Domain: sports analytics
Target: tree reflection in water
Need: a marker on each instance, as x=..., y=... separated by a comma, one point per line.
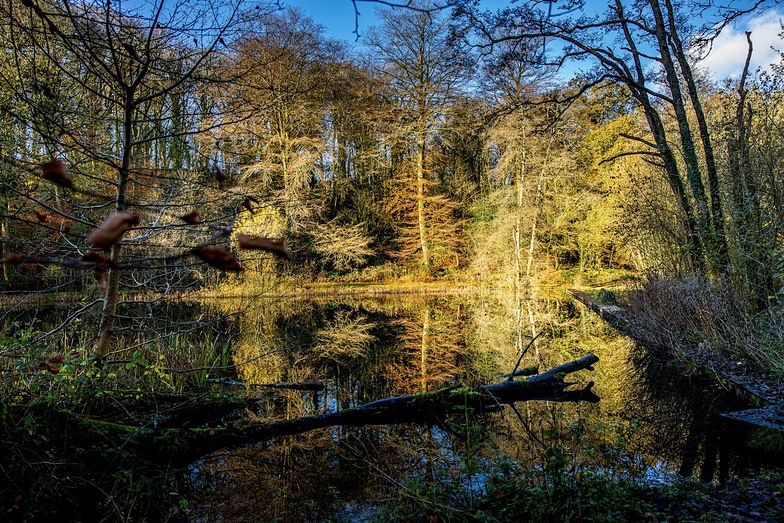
x=652, y=421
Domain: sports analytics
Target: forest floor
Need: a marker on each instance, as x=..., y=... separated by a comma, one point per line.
x=758, y=500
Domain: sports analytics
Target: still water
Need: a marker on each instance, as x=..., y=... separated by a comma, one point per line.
x=653, y=423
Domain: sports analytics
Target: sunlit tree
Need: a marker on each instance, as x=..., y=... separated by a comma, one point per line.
x=424, y=70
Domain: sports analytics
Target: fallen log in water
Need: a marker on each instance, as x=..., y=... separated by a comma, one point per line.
x=432, y=407
x=428, y=407
x=178, y=440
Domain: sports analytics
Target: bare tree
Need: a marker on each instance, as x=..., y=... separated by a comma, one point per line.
x=424, y=69
x=641, y=45
x=117, y=94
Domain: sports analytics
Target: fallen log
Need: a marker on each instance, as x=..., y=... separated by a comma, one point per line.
x=177, y=439
x=432, y=407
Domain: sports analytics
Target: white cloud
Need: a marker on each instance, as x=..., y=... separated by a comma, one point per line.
x=729, y=50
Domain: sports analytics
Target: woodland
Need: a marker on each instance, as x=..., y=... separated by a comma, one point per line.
x=155, y=155
x=449, y=147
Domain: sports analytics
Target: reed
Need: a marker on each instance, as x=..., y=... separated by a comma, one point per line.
x=711, y=317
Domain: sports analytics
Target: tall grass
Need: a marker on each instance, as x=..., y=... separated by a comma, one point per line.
x=710, y=318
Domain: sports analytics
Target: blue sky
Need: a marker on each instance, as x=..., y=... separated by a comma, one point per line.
x=338, y=15
x=729, y=50
x=726, y=59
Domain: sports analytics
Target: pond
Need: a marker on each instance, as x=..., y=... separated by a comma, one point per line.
x=654, y=422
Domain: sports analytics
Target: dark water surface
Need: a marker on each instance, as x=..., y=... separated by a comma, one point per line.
x=653, y=423
x=655, y=420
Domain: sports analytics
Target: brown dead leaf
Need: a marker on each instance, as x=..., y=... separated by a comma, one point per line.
x=192, y=218
x=112, y=229
x=276, y=247
x=56, y=172
x=218, y=258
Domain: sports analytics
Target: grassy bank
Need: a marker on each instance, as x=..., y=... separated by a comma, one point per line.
x=711, y=319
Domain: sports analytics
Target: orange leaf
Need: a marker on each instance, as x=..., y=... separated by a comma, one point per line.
x=56, y=172
x=13, y=258
x=112, y=229
x=192, y=218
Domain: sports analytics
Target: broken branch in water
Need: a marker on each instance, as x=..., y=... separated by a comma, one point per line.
x=199, y=426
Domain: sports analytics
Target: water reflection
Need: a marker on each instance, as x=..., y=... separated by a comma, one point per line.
x=652, y=420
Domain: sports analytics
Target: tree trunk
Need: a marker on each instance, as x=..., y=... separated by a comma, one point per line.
x=518, y=232
x=425, y=346
x=755, y=249
x=717, y=212
x=420, y=187
x=532, y=242
x=636, y=81
x=112, y=294
x=690, y=158
x=5, y=235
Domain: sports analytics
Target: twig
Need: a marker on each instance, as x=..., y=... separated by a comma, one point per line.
x=520, y=359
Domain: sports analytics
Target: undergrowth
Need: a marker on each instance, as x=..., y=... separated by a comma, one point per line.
x=712, y=317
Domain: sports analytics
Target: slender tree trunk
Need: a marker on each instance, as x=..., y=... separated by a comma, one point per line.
x=337, y=167
x=755, y=248
x=537, y=205
x=519, y=345
x=112, y=294
x=534, y=332
x=425, y=346
x=636, y=83
x=690, y=158
x=717, y=212
x=4, y=233
x=696, y=250
x=518, y=231
x=420, y=187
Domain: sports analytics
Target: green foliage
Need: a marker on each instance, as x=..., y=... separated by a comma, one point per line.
x=589, y=497
x=606, y=297
x=768, y=441
x=464, y=392
x=502, y=489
